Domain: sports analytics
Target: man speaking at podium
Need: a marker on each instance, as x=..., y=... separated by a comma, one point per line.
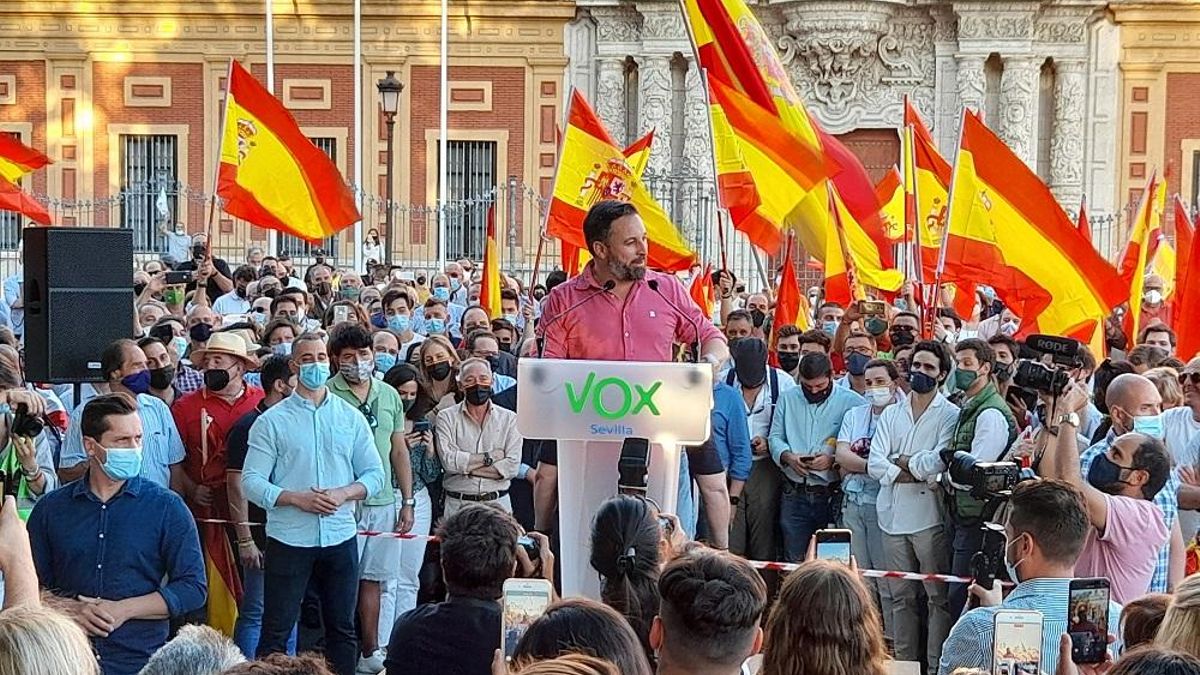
x=616, y=309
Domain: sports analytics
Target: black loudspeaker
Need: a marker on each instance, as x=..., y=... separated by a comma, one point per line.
x=78, y=299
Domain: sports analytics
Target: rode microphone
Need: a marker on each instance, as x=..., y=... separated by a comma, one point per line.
x=694, y=347
x=608, y=286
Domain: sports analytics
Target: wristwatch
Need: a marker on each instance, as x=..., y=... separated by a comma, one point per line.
x=487, y=460
x=411, y=501
x=734, y=500
x=1068, y=418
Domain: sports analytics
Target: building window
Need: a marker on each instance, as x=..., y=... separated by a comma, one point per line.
x=471, y=174
x=679, y=70
x=1045, y=119
x=633, y=95
x=297, y=247
x=993, y=73
x=149, y=188
x=10, y=221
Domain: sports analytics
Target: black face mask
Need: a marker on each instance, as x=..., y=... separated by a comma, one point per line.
x=478, y=394
x=323, y=289
x=271, y=293
x=241, y=291
x=817, y=397
x=200, y=332
x=216, y=380
x=901, y=338
x=789, y=361
x=138, y=288
x=751, y=372
x=440, y=371
x=758, y=318
x=161, y=378
x=1002, y=371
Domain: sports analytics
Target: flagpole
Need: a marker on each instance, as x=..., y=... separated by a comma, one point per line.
x=272, y=235
x=212, y=207
x=358, y=139
x=443, y=130
x=941, y=265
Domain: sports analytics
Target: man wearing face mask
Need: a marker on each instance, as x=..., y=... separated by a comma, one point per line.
x=1119, y=487
x=802, y=441
x=829, y=317
x=1134, y=405
x=320, y=286
x=201, y=322
x=760, y=317
x=393, y=509
x=756, y=513
x=478, y=443
x=125, y=367
x=986, y=429
x=787, y=350
x=120, y=551
x=905, y=458
x=1046, y=529
x=397, y=312
x=482, y=344
x=1006, y=322
x=905, y=330
x=450, y=314
x=857, y=351
x=162, y=370
x=311, y=456
x=1155, y=308
x=236, y=301
x=739, y=325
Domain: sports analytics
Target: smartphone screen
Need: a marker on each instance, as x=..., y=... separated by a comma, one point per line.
x=833, y=545
x=1087, y=619
x=1017, y=643
x=341, y=314
x=524, y=600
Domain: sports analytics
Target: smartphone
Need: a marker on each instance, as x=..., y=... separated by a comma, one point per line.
x=523, y=600
x=421, y=426
x=179, y=278
x=405, y=275
x=341, y=314
x=1087, y=619
x=833, y=545
x=1017, y=642
x=872, y=307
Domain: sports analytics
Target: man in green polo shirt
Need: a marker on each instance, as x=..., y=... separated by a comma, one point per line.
x=351, y=349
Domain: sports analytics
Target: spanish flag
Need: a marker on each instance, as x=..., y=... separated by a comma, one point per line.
x=1188, y=294
x=1008, y=231
x=592, y=168
x=1145, y=242
x=489, y=291
x=702, y=291
x=929, y=184
x=1082, y=224
x=1184, y=232
x=791, y=304
x=271, y=175
x=16, y=160
x=890, y=193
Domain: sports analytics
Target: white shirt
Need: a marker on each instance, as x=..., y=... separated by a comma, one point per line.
x=1183, y=443
x=417, y=339
x=230, y=303
x=908, y=508
x=991, y=436
x=759, y=417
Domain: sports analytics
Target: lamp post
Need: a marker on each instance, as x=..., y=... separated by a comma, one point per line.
x=389, y=99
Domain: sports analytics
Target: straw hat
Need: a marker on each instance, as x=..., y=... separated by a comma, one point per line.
x=225, y=343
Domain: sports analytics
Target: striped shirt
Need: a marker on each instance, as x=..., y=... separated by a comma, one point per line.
x=1167, y=499
x=969, y=644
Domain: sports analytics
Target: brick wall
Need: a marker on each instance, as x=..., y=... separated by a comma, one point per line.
x=29, y=107
x=1182, y=122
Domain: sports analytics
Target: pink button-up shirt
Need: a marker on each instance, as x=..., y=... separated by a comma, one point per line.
x=642, y=327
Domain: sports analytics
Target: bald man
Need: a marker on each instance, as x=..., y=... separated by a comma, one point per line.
x=1135, y=405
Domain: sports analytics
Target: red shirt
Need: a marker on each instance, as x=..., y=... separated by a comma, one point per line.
x=641, y=327
x=204, y=462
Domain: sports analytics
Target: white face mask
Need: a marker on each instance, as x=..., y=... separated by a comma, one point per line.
x=879, y=396
x=1153, y=296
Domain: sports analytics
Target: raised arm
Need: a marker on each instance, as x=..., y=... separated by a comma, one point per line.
x=1062, y=460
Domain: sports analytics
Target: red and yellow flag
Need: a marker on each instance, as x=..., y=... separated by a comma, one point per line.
x=1145, y=249
x=1184, y=232
x=702, y=291
x=12, y=198
x=891, y=195
x=791, y=304
x=931, y=184
x=16, y=160
x=1008, y=231
x=489, y=289
x=1188, y=294
x=591, y=168
x=271, y=175
x=1082, y=224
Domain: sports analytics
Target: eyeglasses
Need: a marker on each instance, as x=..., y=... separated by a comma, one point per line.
x=366, y=411
x=1193, y=377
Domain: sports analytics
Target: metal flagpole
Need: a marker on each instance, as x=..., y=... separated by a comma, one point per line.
x=358, y=138
x=443, y=143
x=272, y=235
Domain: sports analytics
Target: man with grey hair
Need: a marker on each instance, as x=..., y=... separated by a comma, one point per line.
x=196, y=650
x=478, y=443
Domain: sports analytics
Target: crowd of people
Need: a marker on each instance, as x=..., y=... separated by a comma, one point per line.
x=316, y=470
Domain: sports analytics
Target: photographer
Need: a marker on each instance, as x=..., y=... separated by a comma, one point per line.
x=213, y=272
x=1046, y=530
x=26, y=463
x=1120, y=484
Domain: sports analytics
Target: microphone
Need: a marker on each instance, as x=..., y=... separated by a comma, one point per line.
x=608, y=286
x=694, y=348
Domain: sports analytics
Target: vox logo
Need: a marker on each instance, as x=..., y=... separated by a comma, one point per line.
x=630, y=399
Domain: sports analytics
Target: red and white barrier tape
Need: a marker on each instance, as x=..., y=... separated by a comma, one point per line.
x=361, y=533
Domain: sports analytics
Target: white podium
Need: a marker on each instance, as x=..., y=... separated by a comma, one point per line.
x=590, y=407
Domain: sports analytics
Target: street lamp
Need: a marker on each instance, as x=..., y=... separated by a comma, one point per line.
x=389, y=99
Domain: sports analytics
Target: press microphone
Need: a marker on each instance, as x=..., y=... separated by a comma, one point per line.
x=608, y=286
x=694, y=348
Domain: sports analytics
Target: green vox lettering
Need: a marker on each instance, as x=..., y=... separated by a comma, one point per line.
x=632, y=399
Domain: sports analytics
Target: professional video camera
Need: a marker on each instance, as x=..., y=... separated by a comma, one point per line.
x=986, y=480
x=1034, y=374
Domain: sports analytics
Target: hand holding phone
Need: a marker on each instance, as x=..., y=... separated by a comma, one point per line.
x=833, y=545
x=1087, y=619
x=523, y=601
x=1017, y=642
x=341, y=314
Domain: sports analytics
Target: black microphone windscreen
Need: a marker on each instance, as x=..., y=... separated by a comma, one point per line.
x=653, y=284
x=609, y=285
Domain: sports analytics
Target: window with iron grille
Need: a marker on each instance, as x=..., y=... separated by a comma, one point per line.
x=471, y=178
x=297, y=247
x=10, y=221
x=149, y=188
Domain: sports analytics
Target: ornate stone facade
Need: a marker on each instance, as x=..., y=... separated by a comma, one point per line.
x=854, y=61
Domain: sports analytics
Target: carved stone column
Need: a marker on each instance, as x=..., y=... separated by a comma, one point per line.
x=610, y=95
x=1066, y=145
x=697, y=150
x=1018, y=105
x=971, y=81
x=654, y=109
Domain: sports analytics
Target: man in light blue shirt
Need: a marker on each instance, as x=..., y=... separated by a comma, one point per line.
x=1046, y=531
x=310, y=457
x=803, y=439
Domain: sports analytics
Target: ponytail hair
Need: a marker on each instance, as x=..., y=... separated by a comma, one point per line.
x=625, y=538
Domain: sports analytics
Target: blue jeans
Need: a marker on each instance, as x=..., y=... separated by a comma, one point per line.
x=965, y=541
x=800, y=515
x=249, y=621
x=685, y=507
